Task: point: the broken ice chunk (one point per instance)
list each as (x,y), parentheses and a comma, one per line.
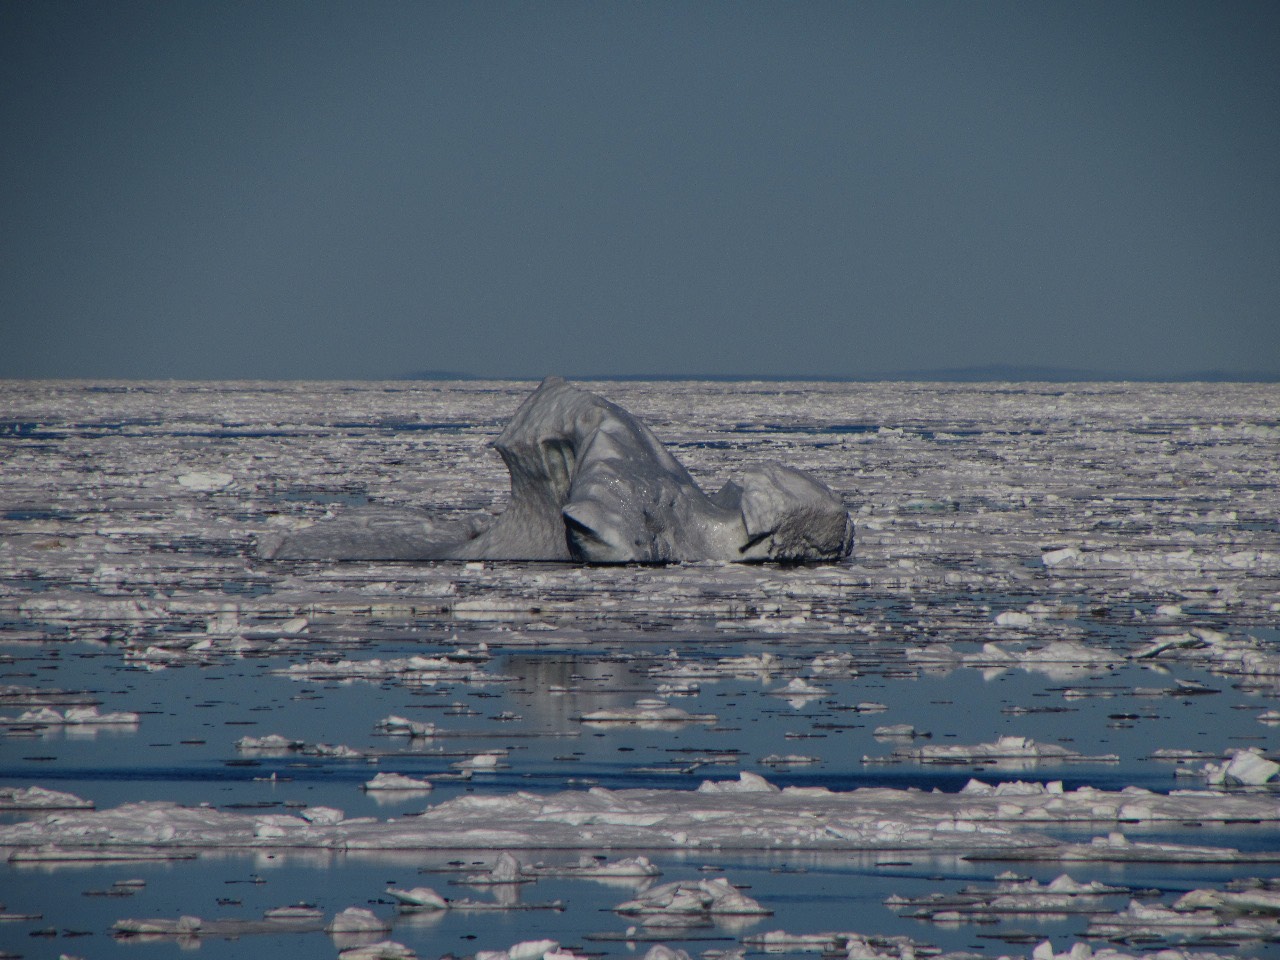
(684,897)
(1004,748)
(397,781)
(414,728)
(1244,768)
(72,716)
(39,798)
(419,898)
(481,761)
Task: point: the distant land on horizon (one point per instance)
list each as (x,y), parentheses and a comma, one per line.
(991,373)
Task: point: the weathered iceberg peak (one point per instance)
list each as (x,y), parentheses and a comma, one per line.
(591,483)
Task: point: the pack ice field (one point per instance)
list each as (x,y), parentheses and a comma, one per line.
(1033,714)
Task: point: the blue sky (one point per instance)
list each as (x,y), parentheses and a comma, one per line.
(318,189)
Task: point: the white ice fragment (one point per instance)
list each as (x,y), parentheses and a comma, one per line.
(70,717)
(402,725)
(1244,768)
(799,687)
(271,743)
(481,761)
(588,867)
(711,897)
(1254,901)
(1014,618)
(747,782)
(1007,747)
(357,920)
(40,798)
(422,898)
(297,911)
(397,781)
(660,951)
(205,480)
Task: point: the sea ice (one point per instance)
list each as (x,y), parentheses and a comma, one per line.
(748,813)
(71,716)
(1005,748)
(40,798)
(1244,768)
(205,480)
(357,920)
(590,482)
(646,711)
(397,782)
(419,898)
(684,898)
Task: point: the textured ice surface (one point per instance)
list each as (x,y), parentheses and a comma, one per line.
(1093,567)
(591,482)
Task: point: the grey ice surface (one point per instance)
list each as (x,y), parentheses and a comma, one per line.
(1090,567)
(590,482)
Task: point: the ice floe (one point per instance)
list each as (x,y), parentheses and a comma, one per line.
(398,783)
(649,711)
(1007,748)
(748,813)
(1244,768)
(683,900)
(1098,561)
(40,798)
(70,717)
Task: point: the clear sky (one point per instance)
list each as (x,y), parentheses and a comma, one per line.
(364,189)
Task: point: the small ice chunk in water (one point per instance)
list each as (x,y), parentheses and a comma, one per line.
(419,898)
(396,781)
(710,897)
(1245,768)
(357,920)
(72,716)
(525,950)
(481,761)
(414,728)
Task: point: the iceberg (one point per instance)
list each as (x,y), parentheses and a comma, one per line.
(592,483)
